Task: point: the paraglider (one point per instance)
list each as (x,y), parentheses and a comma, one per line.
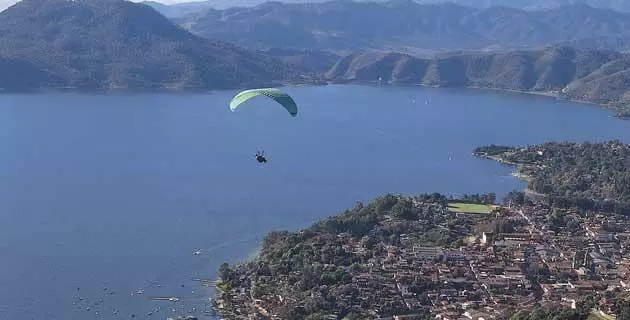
(260,157)
(282,98)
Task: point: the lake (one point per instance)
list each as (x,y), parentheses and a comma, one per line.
(103,196)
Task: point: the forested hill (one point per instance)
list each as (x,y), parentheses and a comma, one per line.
(403,25)
(598,76)
(116,44)
(589,175)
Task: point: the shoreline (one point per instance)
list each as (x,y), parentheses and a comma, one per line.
(221,306)
(404,249)
(497,159)
(550,94)
(162,89)
(556,96)
(531,192)
(299,84)
(516,173)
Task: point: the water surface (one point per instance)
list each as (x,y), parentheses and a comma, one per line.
(105,195)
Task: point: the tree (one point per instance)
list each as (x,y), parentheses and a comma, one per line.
(368,242)
(556,220)
(385,203)
(515,197)
(503,225)
(491,198)
(225,273)
(404,209)
(258,290)
(573,225)
(353,316)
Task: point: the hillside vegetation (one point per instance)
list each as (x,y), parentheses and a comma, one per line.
(115,44)
(406,26)
(588,175)
(598,76)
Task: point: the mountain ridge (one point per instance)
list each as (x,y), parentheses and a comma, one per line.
(594,76)
(120,45)
(406,26)
(179,9)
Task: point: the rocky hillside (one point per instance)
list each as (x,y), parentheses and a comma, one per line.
(591,75)
(116,44)
(312,60)
(403,25)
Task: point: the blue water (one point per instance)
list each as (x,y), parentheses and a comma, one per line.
(102,193)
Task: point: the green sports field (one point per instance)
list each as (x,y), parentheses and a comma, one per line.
(468,207)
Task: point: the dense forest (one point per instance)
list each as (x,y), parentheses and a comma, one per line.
(587,175)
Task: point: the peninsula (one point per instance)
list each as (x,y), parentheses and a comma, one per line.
(430,255)
(591,176)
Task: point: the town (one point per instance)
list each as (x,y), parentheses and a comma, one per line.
(516,256)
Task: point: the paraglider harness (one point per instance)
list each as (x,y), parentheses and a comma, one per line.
(260,157)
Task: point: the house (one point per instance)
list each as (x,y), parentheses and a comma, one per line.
(454,256)
(427,253)
(486,238)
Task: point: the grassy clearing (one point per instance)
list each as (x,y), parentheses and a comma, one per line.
(468,208)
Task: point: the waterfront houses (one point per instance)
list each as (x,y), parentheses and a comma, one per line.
(538,255)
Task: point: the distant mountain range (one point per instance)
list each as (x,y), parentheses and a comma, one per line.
(177,10)
(402,25)
(596,76)
(181,9)
(115,44)
(618,5)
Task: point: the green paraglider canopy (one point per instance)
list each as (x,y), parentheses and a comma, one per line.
(282,98)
